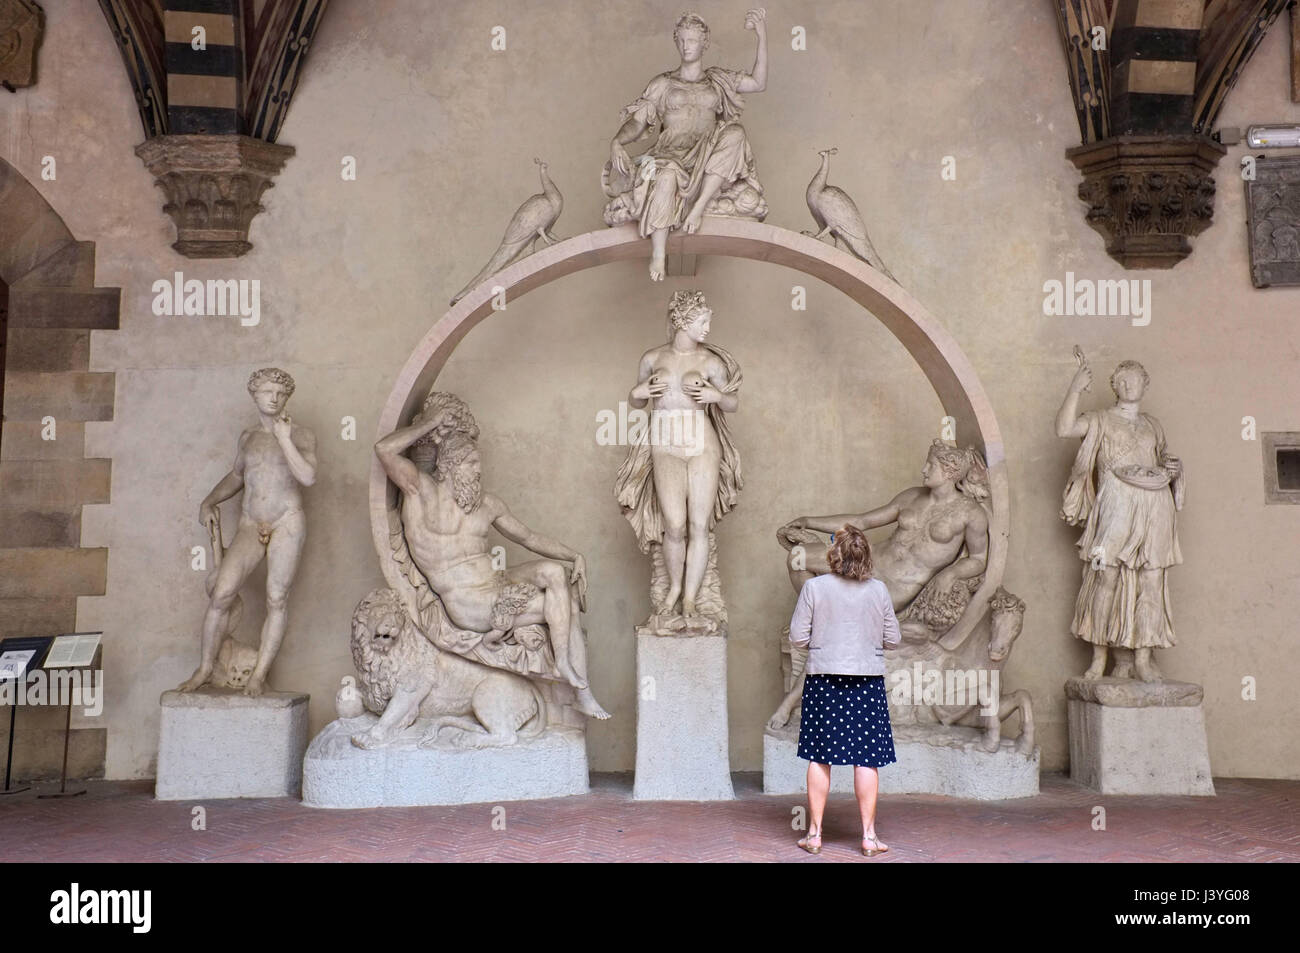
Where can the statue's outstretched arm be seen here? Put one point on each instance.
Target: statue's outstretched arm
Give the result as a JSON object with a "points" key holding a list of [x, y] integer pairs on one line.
{"points": [[513, 529], [1068, 421], [756, 81]]}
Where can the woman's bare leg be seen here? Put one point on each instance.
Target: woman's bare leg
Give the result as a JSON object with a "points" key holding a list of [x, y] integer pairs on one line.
{"points": [[866, 787], [819, 786]]}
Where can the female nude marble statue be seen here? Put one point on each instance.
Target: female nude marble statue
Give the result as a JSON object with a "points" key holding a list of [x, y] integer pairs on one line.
{"points": [[922, 564], [1124, 488], [701, 155], [274, 458], [934, 521], [684, 473]]}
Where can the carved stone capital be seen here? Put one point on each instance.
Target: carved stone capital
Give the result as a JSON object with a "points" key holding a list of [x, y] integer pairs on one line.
{"points": [[214, 186], [1148, 194], [21, 28]]}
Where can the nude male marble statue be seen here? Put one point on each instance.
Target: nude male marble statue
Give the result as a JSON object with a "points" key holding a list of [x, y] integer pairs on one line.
{"points": [[274, 459]]}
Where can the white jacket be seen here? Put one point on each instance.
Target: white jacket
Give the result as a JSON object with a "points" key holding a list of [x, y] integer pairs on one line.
{"points": [[847, 625]]}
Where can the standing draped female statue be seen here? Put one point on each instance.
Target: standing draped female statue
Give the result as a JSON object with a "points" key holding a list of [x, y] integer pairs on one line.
{"points": [[1124, 488], [683, 474]]}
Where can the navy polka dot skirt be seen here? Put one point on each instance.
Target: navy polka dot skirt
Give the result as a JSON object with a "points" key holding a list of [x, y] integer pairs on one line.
{"points": [[845, 720]]}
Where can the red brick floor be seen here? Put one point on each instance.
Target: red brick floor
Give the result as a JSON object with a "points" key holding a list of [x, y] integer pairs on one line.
{"points": [[1249, 820]]}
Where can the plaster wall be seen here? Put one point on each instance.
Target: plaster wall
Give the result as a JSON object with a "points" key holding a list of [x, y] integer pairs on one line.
{"points": [[834, 415]]}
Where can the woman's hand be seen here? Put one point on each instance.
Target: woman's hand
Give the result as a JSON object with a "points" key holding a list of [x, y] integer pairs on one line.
{"points": [[619, 159], [943, 583], [1082, 380], [702, 392], [654, 387], [756, 20]]}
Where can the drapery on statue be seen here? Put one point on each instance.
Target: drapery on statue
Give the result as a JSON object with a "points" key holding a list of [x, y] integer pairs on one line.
{"points": [[273, 459], [683, 474], [464, 605], [701, 163], [1124, 488]]}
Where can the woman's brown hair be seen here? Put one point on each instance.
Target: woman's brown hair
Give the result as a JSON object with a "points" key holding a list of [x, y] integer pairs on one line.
{"points": [[850, 554]]}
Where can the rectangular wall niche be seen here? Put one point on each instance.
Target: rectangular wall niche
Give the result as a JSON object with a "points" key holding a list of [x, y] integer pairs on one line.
{"points": [[1281, 467]]}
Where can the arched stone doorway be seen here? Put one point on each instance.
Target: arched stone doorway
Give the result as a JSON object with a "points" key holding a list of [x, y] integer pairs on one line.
{"points": [[50, 394], [935, 351]]}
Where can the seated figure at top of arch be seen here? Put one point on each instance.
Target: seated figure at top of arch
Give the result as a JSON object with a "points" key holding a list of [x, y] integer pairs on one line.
{"points": [[700, 163]]}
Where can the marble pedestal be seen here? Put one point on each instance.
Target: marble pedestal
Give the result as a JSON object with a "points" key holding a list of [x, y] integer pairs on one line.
{"points": [[336, 773], [682, 748], [932, 759], [1132, 737], [217, 743]]}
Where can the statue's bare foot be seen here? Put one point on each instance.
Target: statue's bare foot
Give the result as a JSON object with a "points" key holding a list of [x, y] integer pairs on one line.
{"points": [[668, 605], [588, 705], [197, 680], [369, 739], [256, 685], [689, 610], [693, 220], [657, 267], [781, 718], [1146, 669], [991, 740], [1025, 744]]}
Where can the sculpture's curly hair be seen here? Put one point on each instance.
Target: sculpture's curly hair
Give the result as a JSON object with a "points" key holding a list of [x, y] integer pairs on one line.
{"points": [[683, 306], [691, 21], [1124, 366], [850, 554], [273, 374], [966, 466], [459, 421], [455, 410]]}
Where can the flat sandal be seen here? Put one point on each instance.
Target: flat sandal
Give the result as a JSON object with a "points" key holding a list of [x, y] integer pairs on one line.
{"points": [[873, 851], [802, 843]]}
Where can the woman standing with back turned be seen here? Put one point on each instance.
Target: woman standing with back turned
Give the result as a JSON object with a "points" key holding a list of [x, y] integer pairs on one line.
{"points": [[846, 619]]}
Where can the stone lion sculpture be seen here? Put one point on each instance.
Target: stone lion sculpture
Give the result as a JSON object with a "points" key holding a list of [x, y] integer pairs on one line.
{"points": [[404, 677]]}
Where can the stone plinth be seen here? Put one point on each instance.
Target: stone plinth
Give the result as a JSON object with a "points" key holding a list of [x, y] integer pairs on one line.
{"points": [[932, 759], [214, 743], [336, 773], [682, 751], [1132, 737]]}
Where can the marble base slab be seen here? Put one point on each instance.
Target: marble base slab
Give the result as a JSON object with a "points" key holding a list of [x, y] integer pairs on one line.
{"points": [[336, 773], [932, 759], [682, 746], [1132, 737], [217, 743]]}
